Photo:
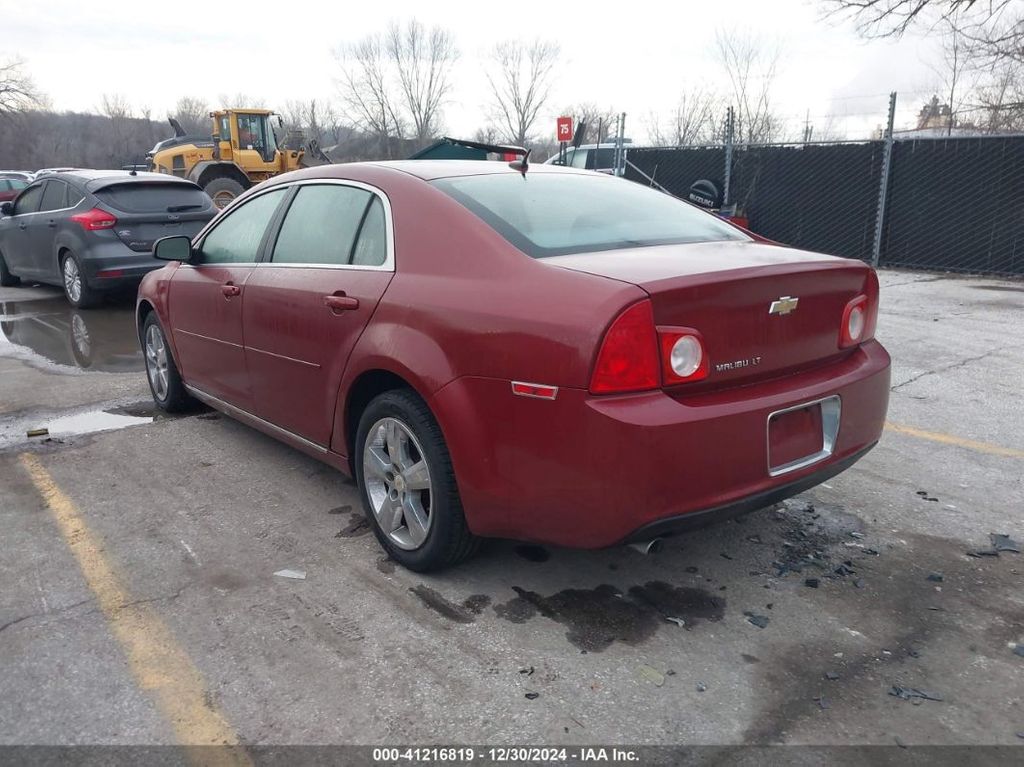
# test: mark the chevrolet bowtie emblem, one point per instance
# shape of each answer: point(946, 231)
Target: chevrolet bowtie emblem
point(783, 305)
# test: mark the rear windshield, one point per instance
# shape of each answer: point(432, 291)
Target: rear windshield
point(555, 214)
point(154, 198)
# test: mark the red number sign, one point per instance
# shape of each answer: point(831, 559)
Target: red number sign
point(563, 128)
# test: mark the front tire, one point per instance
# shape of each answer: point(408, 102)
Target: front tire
point(78, 292)
point(407, 484)
point(223, 190)
point(7, 279)
point(165, 382)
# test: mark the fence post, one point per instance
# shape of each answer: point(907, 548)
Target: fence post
point(883, 187)
point(728, 156)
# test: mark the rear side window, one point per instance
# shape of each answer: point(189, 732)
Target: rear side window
point(28, 201)
point(54, 197)
point(322, 225)
point(154, 198)
point(74, 196)
point(236, 238)
point(17, 183)
point(372, 246)
point(555, 214)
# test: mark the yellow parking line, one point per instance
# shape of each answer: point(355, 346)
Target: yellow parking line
point(949, 439)
point(157, 662)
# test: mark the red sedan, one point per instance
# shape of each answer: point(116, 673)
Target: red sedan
point(551, 355)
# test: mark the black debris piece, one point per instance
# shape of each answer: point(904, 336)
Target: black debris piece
point(934, 577)
point(925, 497)
point(844, 569)
point(937, 609)
point(914, 653)
point(872, 552)
point(1019, 650)
point(701, 687)
point(670, 672)
point(983, 553)
point(770, 605)
point(831, 676)
point(532, 695)
point(1003, 542)
point(725, 556)
point(909, 693)
point(527, 671)
point(758, 620)
point(811, 583)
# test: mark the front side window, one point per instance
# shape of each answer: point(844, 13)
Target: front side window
point(555, 214)
point(28, 201)
point(323, 224)
point(236, 238)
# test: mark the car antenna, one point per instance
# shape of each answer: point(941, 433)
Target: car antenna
point(522, 165)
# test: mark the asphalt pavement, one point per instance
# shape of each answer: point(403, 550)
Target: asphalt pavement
point(140, 602)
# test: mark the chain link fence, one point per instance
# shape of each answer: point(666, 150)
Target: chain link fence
point(952, 204)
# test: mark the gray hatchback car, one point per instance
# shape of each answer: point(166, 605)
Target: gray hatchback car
point(92, 231)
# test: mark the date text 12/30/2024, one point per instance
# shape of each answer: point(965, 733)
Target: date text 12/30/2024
point(509, 754)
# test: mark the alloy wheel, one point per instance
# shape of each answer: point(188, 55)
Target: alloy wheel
point(72, 279)
point(397, 481)
point(156, 361)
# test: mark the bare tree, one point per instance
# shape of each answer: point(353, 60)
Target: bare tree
point(423, 61)
point(751, 65)
point(999, 106)
point(193, 114)
point(240, 100)
point(521, 76)
point(17, 91)
point(693, 120)
point(595, 118)
point(368, 93)
point(994, 28)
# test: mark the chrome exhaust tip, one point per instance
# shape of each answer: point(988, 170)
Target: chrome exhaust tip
point(646, 547)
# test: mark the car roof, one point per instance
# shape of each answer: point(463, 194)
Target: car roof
point(95, 180)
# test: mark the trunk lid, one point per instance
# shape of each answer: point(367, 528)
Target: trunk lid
point(725, 290)
point(148, 211)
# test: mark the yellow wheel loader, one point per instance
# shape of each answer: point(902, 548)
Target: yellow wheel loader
point(242, 150)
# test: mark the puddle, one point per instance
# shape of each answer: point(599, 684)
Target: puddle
point(51, 332)
point(13, 431)
point(92, 422)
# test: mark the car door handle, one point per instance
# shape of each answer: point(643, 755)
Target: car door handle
point(339, 302)
point(22, 225)
point(230, 289)
point(51, 223)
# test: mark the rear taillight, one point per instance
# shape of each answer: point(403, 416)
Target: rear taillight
point(860, 315)
point(628, 358)
point(636, 356)
point(683, 358)
point(858, 324)
point(95, 220)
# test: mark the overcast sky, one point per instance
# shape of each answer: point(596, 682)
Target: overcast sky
point(635, 59)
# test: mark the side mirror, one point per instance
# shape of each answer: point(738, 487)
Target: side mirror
point(6, 208)
point(176, 248)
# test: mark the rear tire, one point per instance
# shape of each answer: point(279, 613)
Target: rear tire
point(7, 279)
point(403, 469)
point(76, 289)
point(223, 190)
point(165, 382)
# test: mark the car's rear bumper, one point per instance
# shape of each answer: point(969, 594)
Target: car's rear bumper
point(593, 471)
point(111, 265)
